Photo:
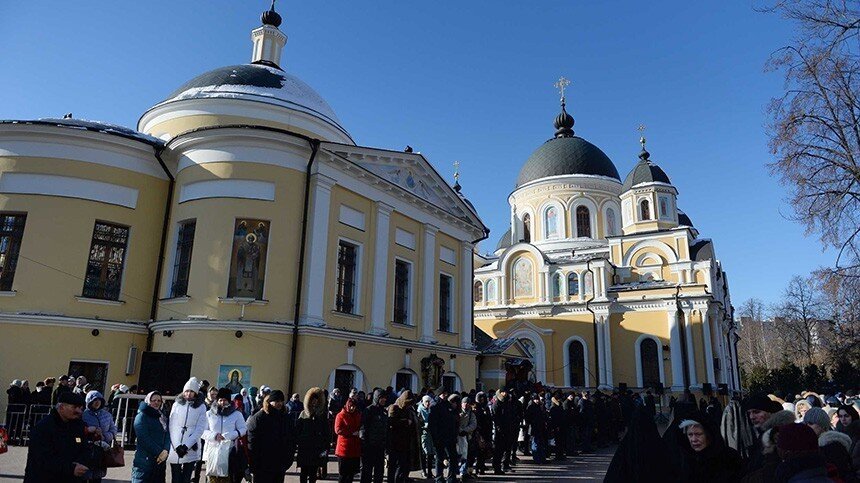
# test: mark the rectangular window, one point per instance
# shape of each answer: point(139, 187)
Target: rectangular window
point(11, 233)
point(248, 259)
point(403, 380)
point(182, 260)
point(107, 260)
point(445, 288)
point(402, 273)
point(347, 264)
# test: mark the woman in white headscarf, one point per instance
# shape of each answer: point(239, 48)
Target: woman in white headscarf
point(153, 442)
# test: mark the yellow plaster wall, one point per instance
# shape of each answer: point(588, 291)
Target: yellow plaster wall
point(625, 330)
point(699, 346)
point(412, 332)
point(213, 242)
point(58, 233)
point(179, 125)
point(33, 352)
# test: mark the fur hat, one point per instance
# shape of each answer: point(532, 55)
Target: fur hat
point(817, 416)
point(193, 385)
point(223, 393)
point(778, 418)
point(763, 403)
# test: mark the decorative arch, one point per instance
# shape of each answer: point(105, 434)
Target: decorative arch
point(560, 231)
point(457, 382)
point(573, 288)
point(405, 371)
point(566, 349)
point(649, 259)
point(666, 250)
point(638, 354)
point(540, 350)
point(358, 381)
point(591, 206)
point(583, 222)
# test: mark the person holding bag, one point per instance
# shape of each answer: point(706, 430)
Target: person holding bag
point(226, 424)
point(100, 425)
point(153, 442)
point(187, 423)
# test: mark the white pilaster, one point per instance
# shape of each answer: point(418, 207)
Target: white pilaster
point(500, 281)
point(547, 287)
point(503, 289)
point(515, 227)
point(675, 351)
point(467, 275)
point(709, 350)
point(691, 354)
point(380, 270)
point(430, 301)
point(315, 269)
point(607, 342)
point(601, 354)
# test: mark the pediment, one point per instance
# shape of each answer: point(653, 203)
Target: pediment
point(412, 173)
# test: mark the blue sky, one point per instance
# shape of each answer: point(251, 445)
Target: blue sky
point(468, 81)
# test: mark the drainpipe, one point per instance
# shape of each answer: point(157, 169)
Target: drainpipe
point(159, 269)
point(315, 145)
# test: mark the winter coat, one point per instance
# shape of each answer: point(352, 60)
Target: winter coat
point(853, 431)
point(101, 418)
point(403, 425)
point(186, 427)
point(271, 441)
point(716, 463)
point(804, 469)
point(426, 439)
point(152, 438)
point(346, 425)
point(537, 420)
point(375, 422)
point(54, 447)
point(443, 424)
point(737, 430)
point(229, 423)
point(504, 420)
point(835, 446)
point(558, 419)
point(466, 425)
point(313, 432)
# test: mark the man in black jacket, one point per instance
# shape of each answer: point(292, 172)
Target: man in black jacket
point(58, 447)
point(374, 439)
point(443, 429)
point(506, 426)
point(271, 440)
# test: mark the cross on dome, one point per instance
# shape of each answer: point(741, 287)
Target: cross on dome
point(563, 122)
point(644, 155)
point(457, 176)
point(561, 84)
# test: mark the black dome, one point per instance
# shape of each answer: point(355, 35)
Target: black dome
point(645, 171)
point(567, 155)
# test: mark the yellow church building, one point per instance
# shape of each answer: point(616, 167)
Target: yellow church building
point(602, 283)
point(238, 234)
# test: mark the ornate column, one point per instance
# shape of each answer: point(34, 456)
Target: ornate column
point(429, 285)
point(675, 350)
point(691, 354)
point(709, 350)
point(547, 283)
point(466, 304)
point(312, 305)
point(380, 270)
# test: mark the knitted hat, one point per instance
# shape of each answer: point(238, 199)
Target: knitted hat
point(797, 437)
point(763, 403)
point(454, 397)
point(817, 416)
point(223, 393)
point(276, 395)
point(193, 385)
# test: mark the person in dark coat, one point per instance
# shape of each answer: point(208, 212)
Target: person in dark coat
point(404, 443)
point(706, 458)
point(313, 436)
point(375, 439)
point(153, 441)
point(559, 426)
point(271, 440)
point(506, 427)
point(536, 419)
point(767, 443)
point(849, 423)
point(801, 460)
point(759, 409)
point(642, 456)
point(58, 448)
point(443, 429)
point(483, 435)
point(835, 446)
point(62, 387)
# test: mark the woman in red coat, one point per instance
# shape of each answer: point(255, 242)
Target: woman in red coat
point(347, 425)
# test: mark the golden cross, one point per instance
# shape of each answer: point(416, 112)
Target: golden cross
point(561, 85)
point(456, 171)
point(641, 130)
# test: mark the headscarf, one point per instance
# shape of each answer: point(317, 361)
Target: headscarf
point(161, 417)
point(642, 456)
point(405, 400)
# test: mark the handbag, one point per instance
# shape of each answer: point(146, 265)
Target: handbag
point(114, 457)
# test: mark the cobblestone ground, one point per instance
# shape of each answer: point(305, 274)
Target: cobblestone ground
point(589, 467)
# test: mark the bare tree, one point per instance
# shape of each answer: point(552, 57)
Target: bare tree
point(800, 318)
point(815, 126)
point(842, 299)
point(758, 344)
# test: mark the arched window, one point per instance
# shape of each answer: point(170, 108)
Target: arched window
point(556, 285)
point(491, 291)
point(650, 363)
point(611, 222)
point(479, 291)
point(644, 210)
point(588, 282)
point(572, 284)
point(523, 282)
point(550, 222)
point(583, 222)
point(527, 228)
point(576, 363)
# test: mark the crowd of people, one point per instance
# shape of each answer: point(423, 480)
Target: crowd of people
point(448, 436)
point(761, 438)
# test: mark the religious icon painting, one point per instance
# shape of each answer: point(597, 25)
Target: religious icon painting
point(234, 377)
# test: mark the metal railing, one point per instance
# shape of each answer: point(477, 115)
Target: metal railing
point(124, 409)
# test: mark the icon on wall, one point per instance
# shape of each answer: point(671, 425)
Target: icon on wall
point(235, 378)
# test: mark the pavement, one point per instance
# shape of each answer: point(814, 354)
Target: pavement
point(589, 467)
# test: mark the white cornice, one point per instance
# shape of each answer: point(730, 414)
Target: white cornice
point(74, 322)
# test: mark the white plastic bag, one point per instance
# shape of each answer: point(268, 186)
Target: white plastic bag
point(217, 457)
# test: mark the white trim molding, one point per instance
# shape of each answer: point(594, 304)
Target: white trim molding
point(248, 189)
point(68, 187)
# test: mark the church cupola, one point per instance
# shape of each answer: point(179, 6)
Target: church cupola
point(268, 40)
point(648, 199)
